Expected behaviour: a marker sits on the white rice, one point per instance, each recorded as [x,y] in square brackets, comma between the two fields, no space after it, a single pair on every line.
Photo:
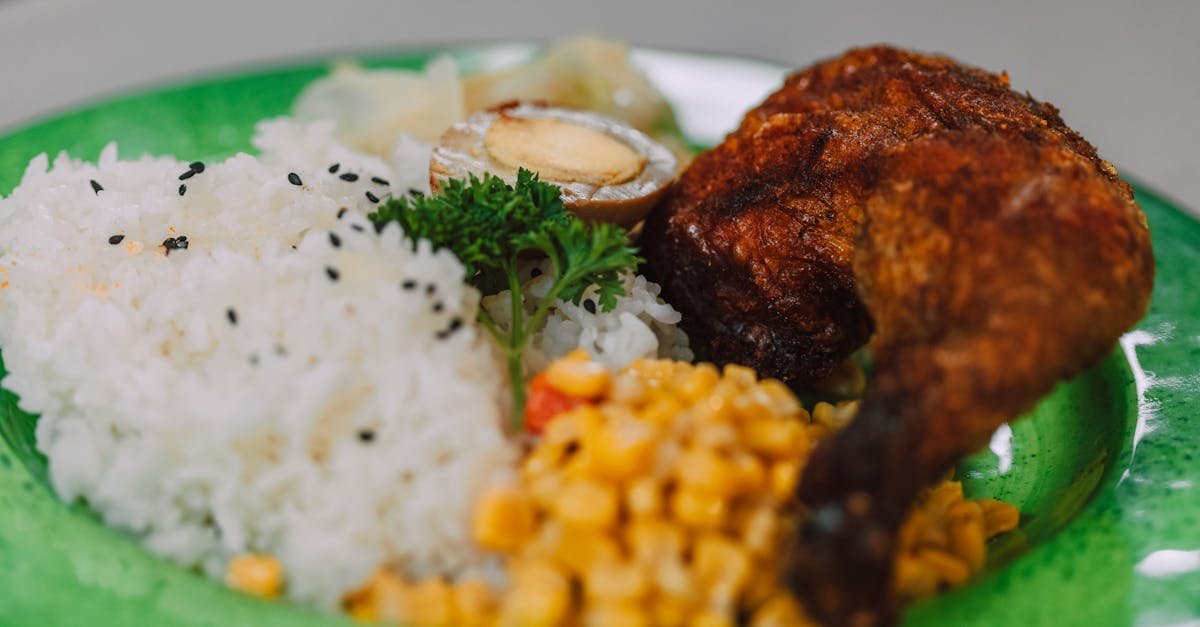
[232,397]
[207,439]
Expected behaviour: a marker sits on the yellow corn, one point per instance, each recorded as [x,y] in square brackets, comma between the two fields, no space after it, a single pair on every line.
[616,615]
[669,610]
[653,541]
[622,448]
[776,438]
[741,376]
[998,517]
[644,498]
[587,503]
[694,508]
[260,575]
[384,598]
[578,378]
[578,549]
[949,568]
[429,602]
[474,603]
[698,382]
[780,611]
[748,472]
[662,410]
[784,475]
[711,618]
[966,533]
[779,398]
[540,597]
[760,530]
[612,581]
[703,470]
[721,566]
[503,518]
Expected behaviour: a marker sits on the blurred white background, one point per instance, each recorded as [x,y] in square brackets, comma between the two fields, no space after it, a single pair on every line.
[1126,74]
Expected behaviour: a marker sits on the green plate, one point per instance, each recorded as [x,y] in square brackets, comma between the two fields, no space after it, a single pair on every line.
[1106,470]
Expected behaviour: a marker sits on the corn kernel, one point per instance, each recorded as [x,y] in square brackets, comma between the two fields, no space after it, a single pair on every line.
[784,475]
[587,503]
[760,530]
[780,611]
[722,567]
[622,448]
[698,509]
[644,498]
[778,398]
[673,579]
[578,378]
[430,602]
[503,518]
[628,389]
[698,382]
[998,517]
[654,541]
[615,615]
[740,375]
[669,610]
[777,438]
[386,597]
[914,578]
[712,618]
[540,597]
[578,549]
[260,575]
[716,407]
[704,470]
[474,603]
[949,568]
[611,581]
[967,541]
[662,410]
[748,472]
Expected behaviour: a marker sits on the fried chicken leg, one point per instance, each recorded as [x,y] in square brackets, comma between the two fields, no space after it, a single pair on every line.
[991,250]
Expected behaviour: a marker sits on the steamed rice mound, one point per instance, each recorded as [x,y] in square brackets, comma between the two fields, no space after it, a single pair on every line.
[261,390]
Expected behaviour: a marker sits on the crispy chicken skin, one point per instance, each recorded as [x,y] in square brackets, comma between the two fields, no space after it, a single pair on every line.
[986,245]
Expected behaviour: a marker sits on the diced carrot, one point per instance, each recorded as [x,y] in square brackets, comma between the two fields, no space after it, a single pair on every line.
[544,403]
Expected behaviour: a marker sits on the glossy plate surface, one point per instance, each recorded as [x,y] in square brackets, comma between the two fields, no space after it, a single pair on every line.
[1106,470]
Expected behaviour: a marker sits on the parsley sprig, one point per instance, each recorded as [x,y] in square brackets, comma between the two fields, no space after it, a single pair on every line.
[489,224]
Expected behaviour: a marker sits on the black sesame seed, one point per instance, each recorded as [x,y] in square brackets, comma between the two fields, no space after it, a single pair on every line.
[356,227]
[231,315]
[334,240]
[334,168]
[455,323]
[535,273]
[372,197]
[412,191]
[116,239]
[332,273]
[196,166]
[349,177]
[379,227]
[96,187]
[430,289]
[253,359]
[294,179]
[380,181]
[182,189]
[438,307]
[589,305]
[341,212]
[409,285]
[187,175]
[366,435]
